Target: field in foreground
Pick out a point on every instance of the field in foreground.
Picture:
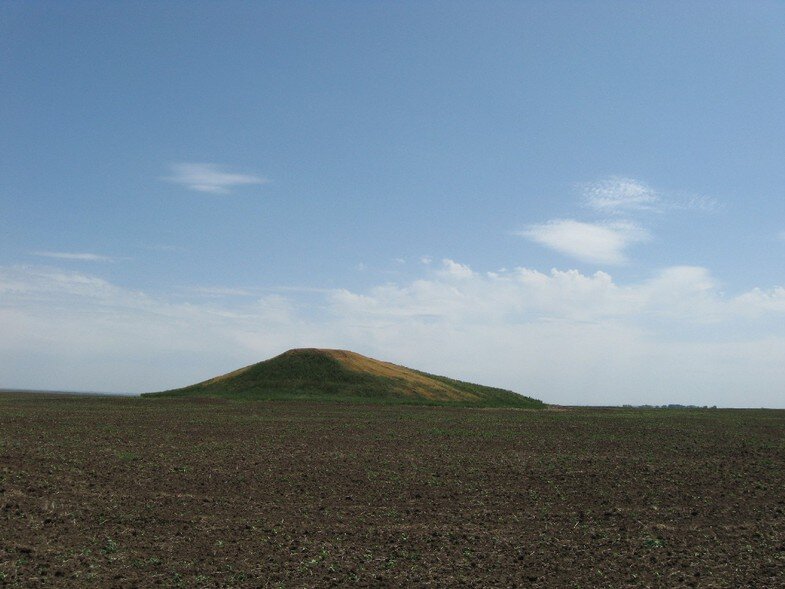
(124, 492)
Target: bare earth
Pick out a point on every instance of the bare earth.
(124, 492)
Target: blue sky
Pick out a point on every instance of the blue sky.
(579, 201)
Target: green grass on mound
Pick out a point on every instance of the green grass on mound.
(339, 376)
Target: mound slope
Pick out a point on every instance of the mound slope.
(311, 373)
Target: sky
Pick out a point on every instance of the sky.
(580, 201)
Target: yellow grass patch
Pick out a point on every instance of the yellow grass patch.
(413, 383)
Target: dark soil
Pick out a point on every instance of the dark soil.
(111, 492)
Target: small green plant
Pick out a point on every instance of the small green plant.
(110, 547)
(127, 456)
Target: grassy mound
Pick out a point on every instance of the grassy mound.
(339, 375)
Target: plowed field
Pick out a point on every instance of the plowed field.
(123, 492)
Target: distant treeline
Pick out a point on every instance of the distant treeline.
(670, 406)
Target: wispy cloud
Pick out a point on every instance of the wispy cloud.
(160, 247)
(601, 243)
(626, 196)
(75, 256)
(220, 291)
(693, 202)
(620, 195)
(211, 178)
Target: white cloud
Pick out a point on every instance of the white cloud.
(211, 178)
(80, 257)
(564, 336)
(617, 194)
(759, 301)
(453, 269)
(681, 293)
(600, 243)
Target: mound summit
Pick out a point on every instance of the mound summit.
(340, 375)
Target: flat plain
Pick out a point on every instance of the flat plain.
(131, 492)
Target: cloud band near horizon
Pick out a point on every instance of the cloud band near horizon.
(563, 336)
